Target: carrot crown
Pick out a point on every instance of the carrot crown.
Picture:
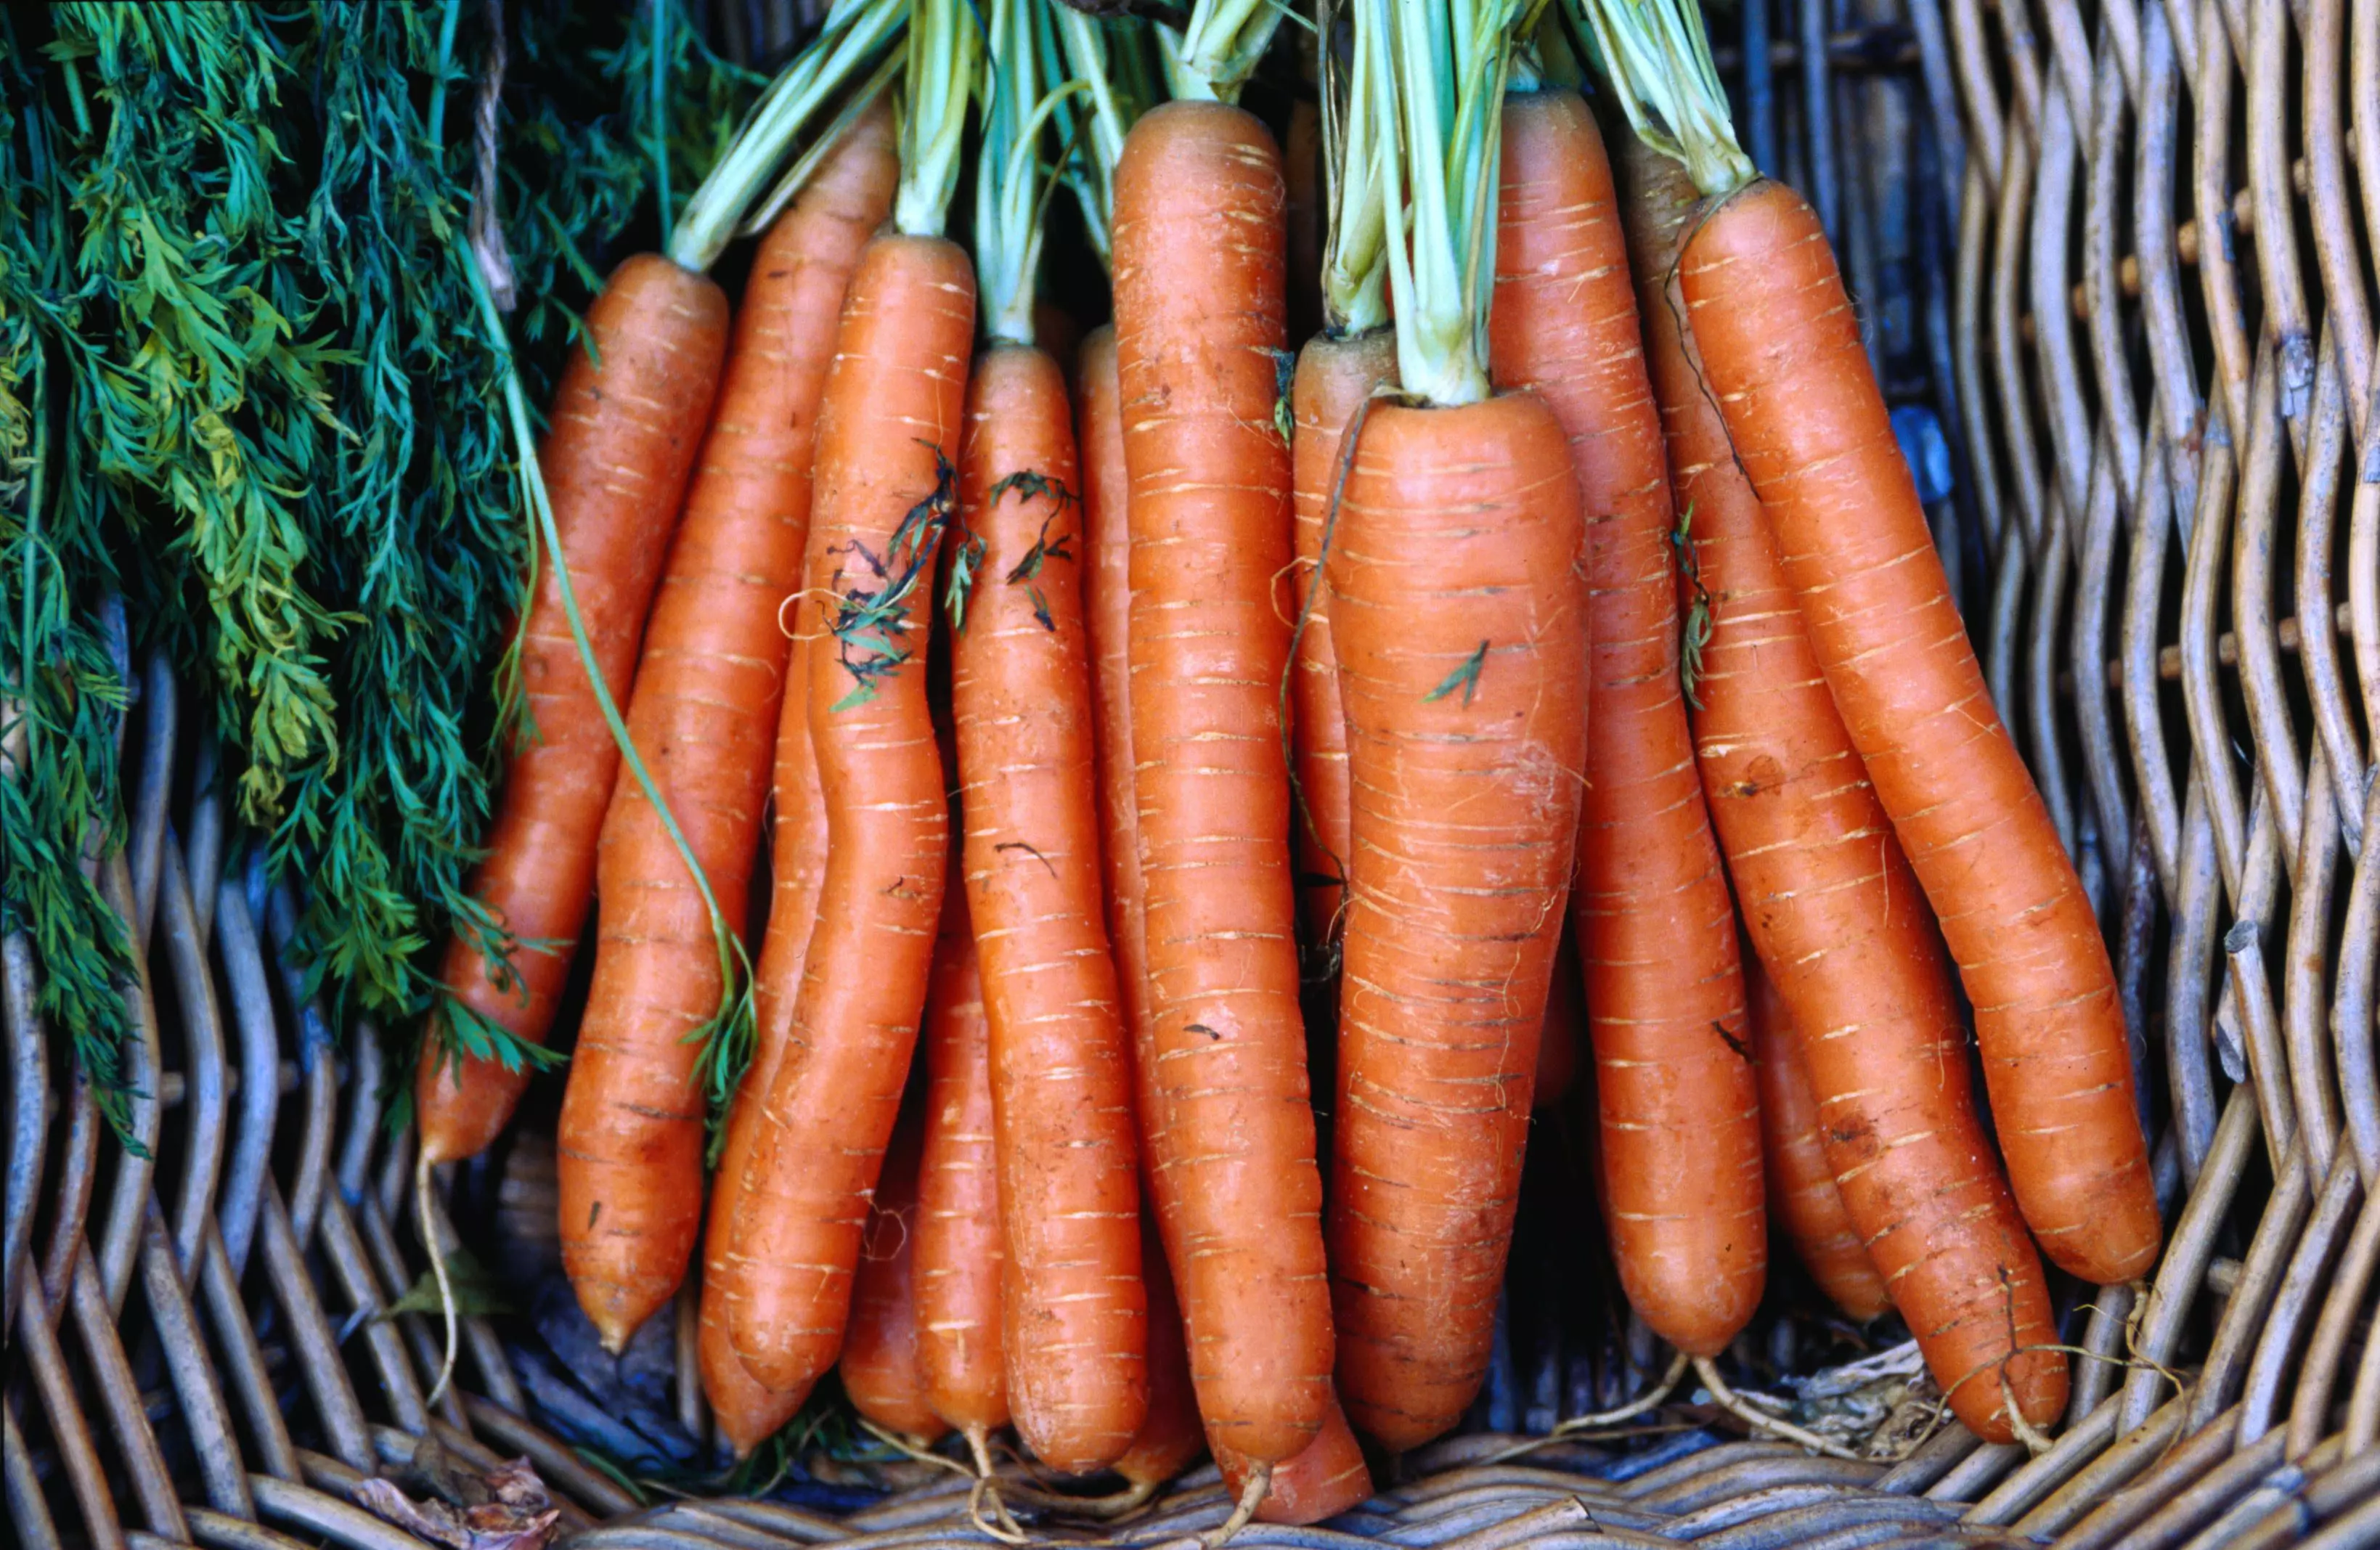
(1355, 273)
(1009, 176)
(1657, 60)
(944, 46)
(1214, 57)
(1434, 74)
(1110, 58)
(857, 32)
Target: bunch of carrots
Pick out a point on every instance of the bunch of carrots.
(1558, 621)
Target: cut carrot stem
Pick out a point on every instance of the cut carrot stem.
(1834, 911)
(1679, 1107)
(616, 463)
(1198, 335)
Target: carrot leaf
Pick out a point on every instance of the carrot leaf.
(1030, 485)
(1110, 56)
(1695, 628)
(872, 627)
(1464, 677)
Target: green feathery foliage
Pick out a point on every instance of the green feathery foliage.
(234, 390)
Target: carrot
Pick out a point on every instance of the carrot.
(1463, 648)
(882, 1367)
(1075, 1325)
(1680, 1127)
(616, 465)
(1779, 347)
(887, 430)
(1323, 1480)
(1198, 329)
(709, 687)
(1335, 377)
(614, 472)
(1462, 635)
(834, 219)
(1835, 914)
(1062, 1080)
(960, 1258)
(1169, 1438)
(1802, 1193)
(1107, 614)
(1565, 1025)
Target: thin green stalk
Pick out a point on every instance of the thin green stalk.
(855, 33)
(1657, 60)
(657, 85)
(945, 44)
(1212, 57)
(1110, 57)
(1354, 253)
(1009, 176)
(1437, 75)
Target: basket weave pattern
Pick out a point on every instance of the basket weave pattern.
(2124, 259)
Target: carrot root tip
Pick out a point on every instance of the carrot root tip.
(1252, 1497)
(422, 1182)
(1759, 1420)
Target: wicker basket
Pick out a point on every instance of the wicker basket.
(2126, 316)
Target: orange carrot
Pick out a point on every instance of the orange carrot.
(709, 688)
(1802, 1192)
(1198, 329)
(881, 1368)
(1778, 342)
(1334, 378)
(1107, 614)
(1558, 1049)
(1680, 1130)
(616, 463)
(1834, 911)
(1062, 1083)
(835, 215)
(1462, 636)
(887, 430)
(960, 1258)
(1323, 1480)
(1169, 1438)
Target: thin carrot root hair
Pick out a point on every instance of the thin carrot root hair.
(1652, 1399)
(1759, 1420)
(1252, 1497)
(1115, 1507)
(1002, 1526)
(421, 1165)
